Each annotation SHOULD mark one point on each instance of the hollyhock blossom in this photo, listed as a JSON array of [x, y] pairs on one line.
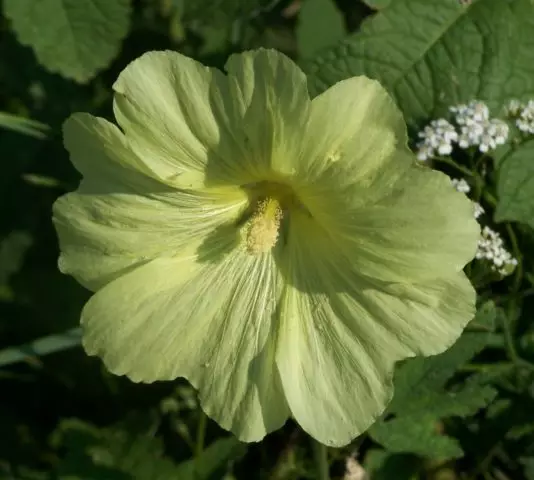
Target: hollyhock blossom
[[281, 253]]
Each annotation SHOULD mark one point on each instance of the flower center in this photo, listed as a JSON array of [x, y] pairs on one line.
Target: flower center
[[263, 226]]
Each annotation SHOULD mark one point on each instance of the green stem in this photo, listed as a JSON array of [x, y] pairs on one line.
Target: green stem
[[486, 367], [518, 274], [490, 199], [481, 160], [452, 163], [320, 455], [201, 433], [478, 187], [508, 336]]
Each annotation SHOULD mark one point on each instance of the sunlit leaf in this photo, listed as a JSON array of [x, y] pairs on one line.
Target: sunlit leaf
[[431, 55], [75, 38]]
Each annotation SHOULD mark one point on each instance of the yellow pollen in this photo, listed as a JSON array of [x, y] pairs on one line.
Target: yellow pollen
[[263, 227]]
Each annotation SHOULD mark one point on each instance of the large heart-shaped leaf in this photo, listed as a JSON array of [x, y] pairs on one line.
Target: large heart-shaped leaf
[[431, 55]]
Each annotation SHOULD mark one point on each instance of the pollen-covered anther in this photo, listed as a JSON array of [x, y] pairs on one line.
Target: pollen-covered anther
[[263, 227]]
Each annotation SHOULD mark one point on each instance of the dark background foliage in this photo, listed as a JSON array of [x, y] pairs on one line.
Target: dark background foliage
[[466, 414]]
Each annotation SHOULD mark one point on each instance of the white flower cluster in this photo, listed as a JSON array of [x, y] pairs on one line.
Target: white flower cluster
[[477, 128], [462, 186], [491, 248], [472, 127], [523, 115], [436, 137], [490, 245]]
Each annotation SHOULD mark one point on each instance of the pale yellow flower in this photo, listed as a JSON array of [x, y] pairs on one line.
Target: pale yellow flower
[[279, 252]]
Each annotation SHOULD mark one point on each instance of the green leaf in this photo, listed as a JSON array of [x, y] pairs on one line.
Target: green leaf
[[212, 460], [222, 12], [420, 399], [320, 25], [417, 433], [110, 454], [377, 4], [430, 55], [515, 186], [118, 454], [25, 473], [416, 377], [43, 346], [528, 463], [385, 465], [39, 180], [13, 249], [23, 125], [415, 430], [462, 403], [75, 38]]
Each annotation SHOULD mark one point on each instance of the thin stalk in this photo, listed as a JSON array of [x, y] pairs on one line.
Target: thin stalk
[[320, 455], [489, 198], [452, 163], [518, 274], [486, 367], [201, 434], [507, 330]]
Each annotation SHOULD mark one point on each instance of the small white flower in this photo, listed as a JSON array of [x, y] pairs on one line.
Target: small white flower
[[499, 130], [513, 109], [479, 210], [491, 248], [444, 148], [495, 133], [461, 185], [438, 137], [525, 120], [424, 153], [474, 112]]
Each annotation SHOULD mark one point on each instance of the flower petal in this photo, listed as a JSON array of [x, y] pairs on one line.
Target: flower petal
[[207, 321], [188, 118], [120, 218], [98, 148], [340, 334], [352, 138], [180, 115], [394, 219], [423, 229], [276, 106]]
